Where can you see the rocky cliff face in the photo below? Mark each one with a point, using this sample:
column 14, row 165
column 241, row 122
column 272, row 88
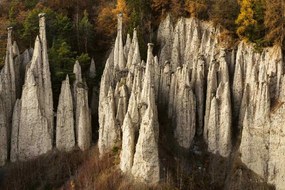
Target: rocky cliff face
column 212, row 92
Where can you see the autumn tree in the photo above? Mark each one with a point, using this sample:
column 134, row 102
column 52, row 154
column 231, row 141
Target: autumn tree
column 224, row 12
column 275, row 21
column 107, row 17
column 197, row 8
column 250, row 20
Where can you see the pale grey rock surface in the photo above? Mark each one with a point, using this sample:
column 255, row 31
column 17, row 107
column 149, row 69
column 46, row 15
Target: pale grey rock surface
column 15, row 131
column 46, row 88
column 109, row 131
column 128, row 145
column 36, row 115
column 83, row 128
column 3, row 134
column 65, row 125
column 122, row 105
column 84, row 132
column 146, row 160
column 34, row 138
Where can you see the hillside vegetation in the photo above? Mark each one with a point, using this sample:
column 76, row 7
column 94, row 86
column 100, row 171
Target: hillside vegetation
column 83, row 29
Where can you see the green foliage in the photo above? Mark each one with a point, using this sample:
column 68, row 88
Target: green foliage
column 224, row 15
column 31, row 25
column 63, row 27
column 85, row 31
column 250, row 21
column 30, row 4
column 84, row 61
column 61, row 56
column 115, row 150
column 140, row 18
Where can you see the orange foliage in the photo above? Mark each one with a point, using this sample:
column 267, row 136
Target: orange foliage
column 107, row 19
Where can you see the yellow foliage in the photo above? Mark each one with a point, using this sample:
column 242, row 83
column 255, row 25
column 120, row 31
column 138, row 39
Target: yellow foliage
column 121, row 7
column 246, row 17
column 107, row 18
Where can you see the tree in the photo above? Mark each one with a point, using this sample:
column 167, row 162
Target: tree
column 224, row 12
column 107, row 17
column 161, row 7
column 245, row 20
column 31, row 25
column 197, row 8
column 275, row 21
column 250, row 21
column 85, row 30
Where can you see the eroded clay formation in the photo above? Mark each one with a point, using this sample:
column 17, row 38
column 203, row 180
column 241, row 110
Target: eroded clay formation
column 27, row 113
column 208, row 90
column 205, row 89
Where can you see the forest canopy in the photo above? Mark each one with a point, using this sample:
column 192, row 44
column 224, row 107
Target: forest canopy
column 85, row 28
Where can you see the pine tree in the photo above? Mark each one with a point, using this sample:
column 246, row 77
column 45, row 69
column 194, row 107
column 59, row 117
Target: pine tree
column 85, row 30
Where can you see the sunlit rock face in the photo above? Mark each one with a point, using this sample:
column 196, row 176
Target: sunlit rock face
column 146, row 160
column 231, row 99
column 8, row 98
column 27, row 125
column 35, row 134
column 206, row 90
column 83, row 131
column 199, row 65
column 127, row 108
column 11, row 81
column 261, row 118
column 33, row 138
column 110, row 129
column 65, row 136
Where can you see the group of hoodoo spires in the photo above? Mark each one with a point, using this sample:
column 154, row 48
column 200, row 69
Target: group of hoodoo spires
column 204, row 88
column 27, row 127
column 127, row 109
column 208, row 90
